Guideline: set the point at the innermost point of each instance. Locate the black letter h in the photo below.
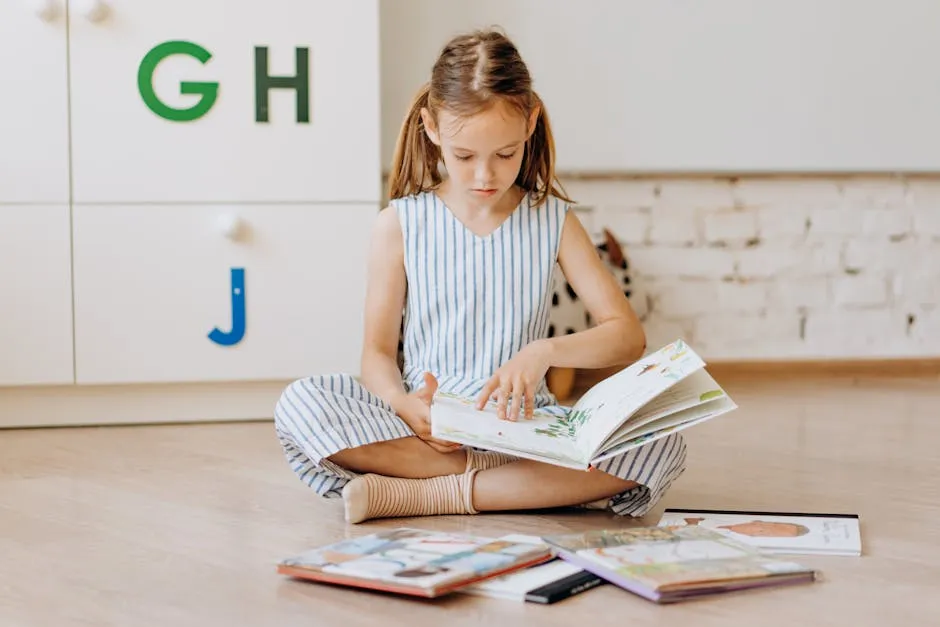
(265, 82)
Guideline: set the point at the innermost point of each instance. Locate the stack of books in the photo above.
(691, 554)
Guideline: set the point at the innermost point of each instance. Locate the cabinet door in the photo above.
(178, 293)
(35, 295)
(34, 134)
(221, 101)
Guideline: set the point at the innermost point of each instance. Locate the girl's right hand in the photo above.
(415, 410)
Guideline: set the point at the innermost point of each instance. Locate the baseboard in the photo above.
(881, 368)
(755, 369)
(72, 406)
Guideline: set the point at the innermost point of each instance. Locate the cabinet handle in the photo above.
(46, 10)
(230, 225)
(92, 10)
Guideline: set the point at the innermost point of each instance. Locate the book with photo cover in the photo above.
(793, 533)
(414, 562)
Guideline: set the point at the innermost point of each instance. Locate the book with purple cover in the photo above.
(667, 565)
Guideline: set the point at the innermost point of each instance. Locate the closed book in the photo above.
(415, 562)
(667, 565)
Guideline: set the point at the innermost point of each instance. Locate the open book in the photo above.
(664, 392)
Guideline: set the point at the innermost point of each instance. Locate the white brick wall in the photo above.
(777, 267)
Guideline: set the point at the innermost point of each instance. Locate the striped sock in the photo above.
(482, 460)
(377, 496)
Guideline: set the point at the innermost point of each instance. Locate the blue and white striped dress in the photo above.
(473, 302)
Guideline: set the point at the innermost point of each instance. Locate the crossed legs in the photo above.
(406, 477)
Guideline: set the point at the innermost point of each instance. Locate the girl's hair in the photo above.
(473, 71)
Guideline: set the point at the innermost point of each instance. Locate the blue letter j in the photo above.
(238, 312)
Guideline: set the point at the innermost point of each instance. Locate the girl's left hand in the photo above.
(516, 380)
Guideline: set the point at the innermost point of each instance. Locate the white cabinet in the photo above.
(186, 194)
(35, 295)
(34, 136)
(209, 101)
(284, 286)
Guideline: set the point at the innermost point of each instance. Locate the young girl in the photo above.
(467, 259)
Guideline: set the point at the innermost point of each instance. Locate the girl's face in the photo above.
(482, 153)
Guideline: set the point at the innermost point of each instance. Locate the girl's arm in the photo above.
(385, 298)
(618, 337)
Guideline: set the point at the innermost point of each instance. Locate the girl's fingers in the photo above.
(441, 446)
(487, 392)
(529, 401)
(426, 393)
(517, 394)
(504, 392)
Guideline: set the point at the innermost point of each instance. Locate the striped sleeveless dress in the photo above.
(472, 303)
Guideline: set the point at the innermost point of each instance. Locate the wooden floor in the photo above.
(182, 525)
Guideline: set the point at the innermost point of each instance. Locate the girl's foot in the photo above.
(376, 496)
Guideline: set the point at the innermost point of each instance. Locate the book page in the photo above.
(697, 389)
(549, 436)
(615, 399)
(672, 423)
(516, 584)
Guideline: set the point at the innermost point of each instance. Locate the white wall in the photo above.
(708, 85)
(771, 268)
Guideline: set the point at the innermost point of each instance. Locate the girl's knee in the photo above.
(312, 404)
(285, 400)
(296, 403)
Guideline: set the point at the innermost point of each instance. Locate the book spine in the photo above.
(742, 512)
(564, 588)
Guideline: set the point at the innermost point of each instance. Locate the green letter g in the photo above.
(207, 91)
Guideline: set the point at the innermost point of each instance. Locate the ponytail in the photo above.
(537, 173)
(416, 158)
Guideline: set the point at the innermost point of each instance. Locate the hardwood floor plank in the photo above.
(183, 524)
